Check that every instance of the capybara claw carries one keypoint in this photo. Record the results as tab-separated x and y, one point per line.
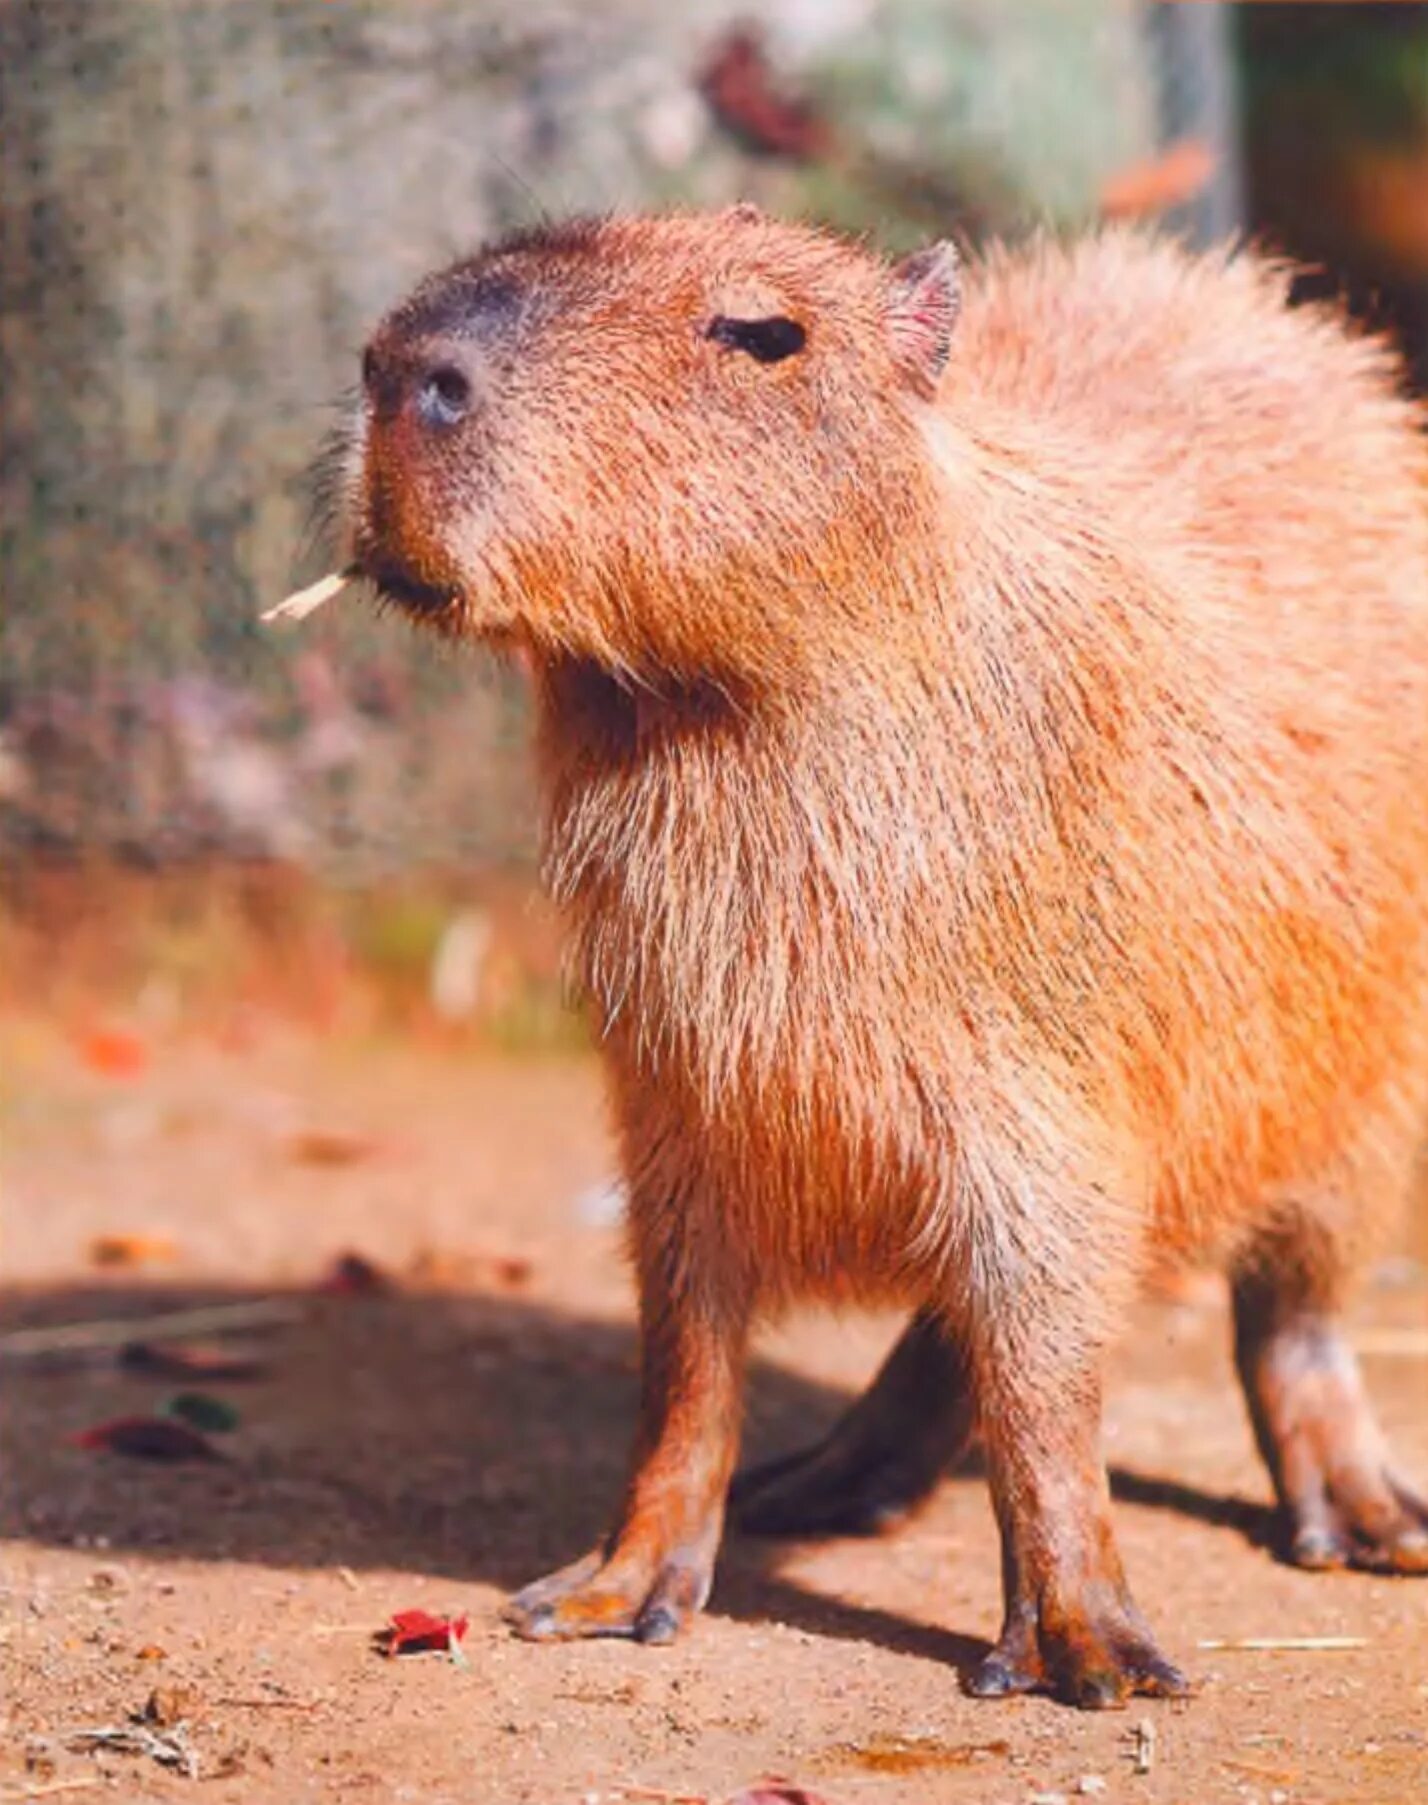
533	1623
998	1677
595	1599
1318	1551
1401	1549
1405	1553
1359	1515
658	1624
591	1611
1108	1681
1094	1676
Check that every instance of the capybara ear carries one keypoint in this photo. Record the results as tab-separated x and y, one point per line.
924	297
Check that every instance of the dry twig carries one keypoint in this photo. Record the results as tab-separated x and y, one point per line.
109	1333
1259	1644
303	602
48	1788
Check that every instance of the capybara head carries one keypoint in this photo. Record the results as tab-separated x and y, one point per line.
664	444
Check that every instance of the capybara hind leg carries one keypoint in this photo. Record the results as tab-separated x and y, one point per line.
1341	1503
1071	1626
654	1570
884	1455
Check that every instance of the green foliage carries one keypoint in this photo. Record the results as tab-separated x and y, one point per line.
1338	71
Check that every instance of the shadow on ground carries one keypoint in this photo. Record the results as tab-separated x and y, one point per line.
467	1437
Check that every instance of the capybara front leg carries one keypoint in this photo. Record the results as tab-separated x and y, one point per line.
1070	1626
653	1572
882	1458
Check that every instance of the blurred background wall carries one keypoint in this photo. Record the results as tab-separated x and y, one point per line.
206	204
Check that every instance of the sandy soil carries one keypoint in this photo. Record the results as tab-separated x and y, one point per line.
437	1446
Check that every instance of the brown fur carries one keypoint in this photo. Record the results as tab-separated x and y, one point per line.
988	805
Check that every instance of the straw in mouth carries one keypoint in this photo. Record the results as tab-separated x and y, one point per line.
303	602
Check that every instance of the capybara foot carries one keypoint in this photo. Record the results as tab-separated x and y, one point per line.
882	1459
1341	1504
1361	1517
825	1491
644	1600
1096	1666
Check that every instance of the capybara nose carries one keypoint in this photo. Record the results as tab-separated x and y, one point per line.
443	392
435	380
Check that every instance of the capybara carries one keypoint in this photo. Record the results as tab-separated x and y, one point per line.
983	722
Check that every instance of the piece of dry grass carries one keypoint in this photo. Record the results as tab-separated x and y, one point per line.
1263	1644
107	1333
303	602
46	1789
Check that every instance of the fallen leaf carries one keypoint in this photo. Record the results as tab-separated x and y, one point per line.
200	1411
114	1052
131	1250
151	1652
320	1147
447	1269
354	1275
189	1360
169	1705
1177	175
740	88
148	1438
776	1792
419	1632
895	1754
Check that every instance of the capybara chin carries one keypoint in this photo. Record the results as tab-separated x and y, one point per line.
984	729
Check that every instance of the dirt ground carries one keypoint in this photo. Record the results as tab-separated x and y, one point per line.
438	1445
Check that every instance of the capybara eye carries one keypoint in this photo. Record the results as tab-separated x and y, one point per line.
768	341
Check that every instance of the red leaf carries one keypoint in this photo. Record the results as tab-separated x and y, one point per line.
1169	180
131	1250
418	1632
354	1275
776	1792
116	1052
740	88
449	1269
148	1438
321	1147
